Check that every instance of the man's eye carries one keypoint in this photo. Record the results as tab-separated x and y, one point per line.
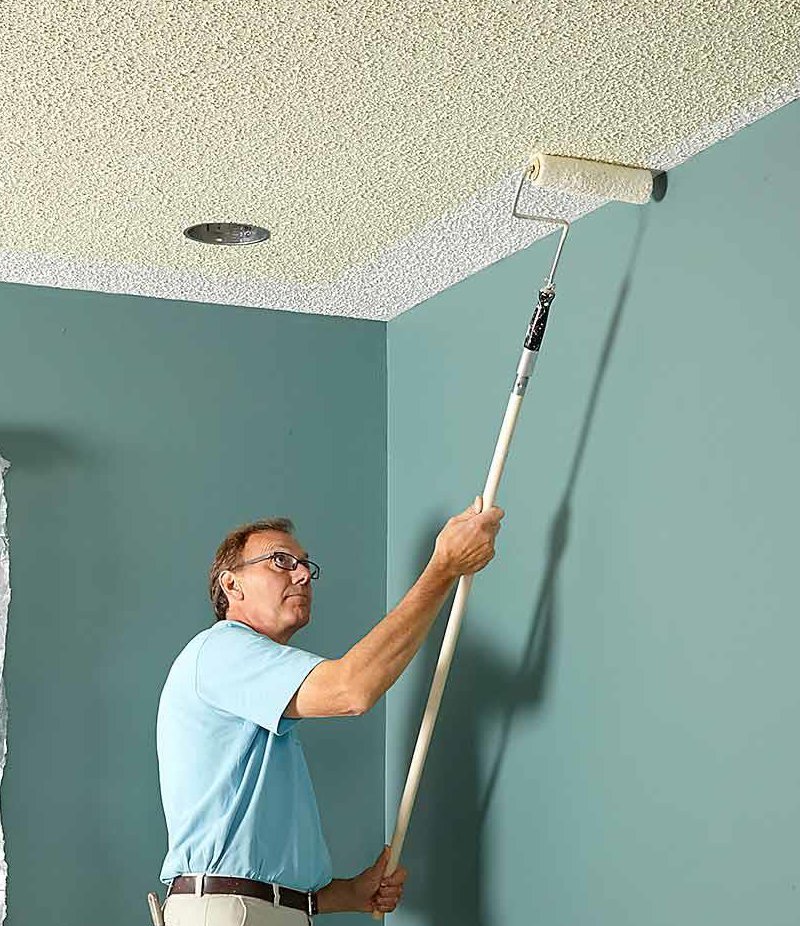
284	560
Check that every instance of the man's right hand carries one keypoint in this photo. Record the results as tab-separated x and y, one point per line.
466	543
352	685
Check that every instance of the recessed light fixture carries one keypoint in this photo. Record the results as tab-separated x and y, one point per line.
226	233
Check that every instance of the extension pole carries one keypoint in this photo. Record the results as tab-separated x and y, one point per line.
530	353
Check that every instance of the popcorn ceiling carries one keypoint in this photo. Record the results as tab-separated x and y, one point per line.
379	142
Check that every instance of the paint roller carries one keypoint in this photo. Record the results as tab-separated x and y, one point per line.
575	177
596	179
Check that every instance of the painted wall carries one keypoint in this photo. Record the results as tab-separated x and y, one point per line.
617	744
140	431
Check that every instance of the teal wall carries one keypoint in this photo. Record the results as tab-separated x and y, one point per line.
139	432
618	740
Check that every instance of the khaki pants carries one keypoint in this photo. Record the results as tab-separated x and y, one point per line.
228	910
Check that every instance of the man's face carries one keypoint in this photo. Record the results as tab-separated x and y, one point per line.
272	601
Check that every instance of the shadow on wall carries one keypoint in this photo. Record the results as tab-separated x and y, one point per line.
445	847
35	449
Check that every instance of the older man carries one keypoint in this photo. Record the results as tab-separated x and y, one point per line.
245	841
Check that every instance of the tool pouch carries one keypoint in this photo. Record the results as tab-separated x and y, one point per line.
156	913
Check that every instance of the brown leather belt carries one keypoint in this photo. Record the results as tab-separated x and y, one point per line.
218	884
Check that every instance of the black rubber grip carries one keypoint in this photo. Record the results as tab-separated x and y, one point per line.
533	339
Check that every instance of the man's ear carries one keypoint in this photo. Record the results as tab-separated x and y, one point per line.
230	585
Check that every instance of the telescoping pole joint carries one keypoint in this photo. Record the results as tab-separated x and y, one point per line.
533	339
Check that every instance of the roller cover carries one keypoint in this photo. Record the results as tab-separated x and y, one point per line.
591	178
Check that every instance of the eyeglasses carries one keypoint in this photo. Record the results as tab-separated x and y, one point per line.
284	561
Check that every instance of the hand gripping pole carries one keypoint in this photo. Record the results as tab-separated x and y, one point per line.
530	353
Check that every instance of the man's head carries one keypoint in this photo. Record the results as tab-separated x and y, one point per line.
274	601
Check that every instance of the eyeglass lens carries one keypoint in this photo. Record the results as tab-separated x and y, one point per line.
289	562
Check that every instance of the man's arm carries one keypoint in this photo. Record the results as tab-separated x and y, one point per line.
353	684
336	897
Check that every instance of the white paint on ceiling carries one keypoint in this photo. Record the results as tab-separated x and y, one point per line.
378	141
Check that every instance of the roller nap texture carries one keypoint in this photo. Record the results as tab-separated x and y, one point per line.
580	177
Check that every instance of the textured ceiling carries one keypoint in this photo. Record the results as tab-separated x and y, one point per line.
378	141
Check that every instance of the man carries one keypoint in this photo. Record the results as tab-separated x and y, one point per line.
245	842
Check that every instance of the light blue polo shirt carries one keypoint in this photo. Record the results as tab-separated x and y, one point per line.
237	796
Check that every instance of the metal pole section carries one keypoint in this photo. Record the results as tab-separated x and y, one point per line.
530	353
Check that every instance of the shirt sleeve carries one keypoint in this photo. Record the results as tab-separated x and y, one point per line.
246	674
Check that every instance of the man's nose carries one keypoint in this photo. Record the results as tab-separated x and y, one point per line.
301	574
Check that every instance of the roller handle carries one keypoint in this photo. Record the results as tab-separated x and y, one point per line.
530	353
448	648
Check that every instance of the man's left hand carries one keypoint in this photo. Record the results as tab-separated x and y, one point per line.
374	891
